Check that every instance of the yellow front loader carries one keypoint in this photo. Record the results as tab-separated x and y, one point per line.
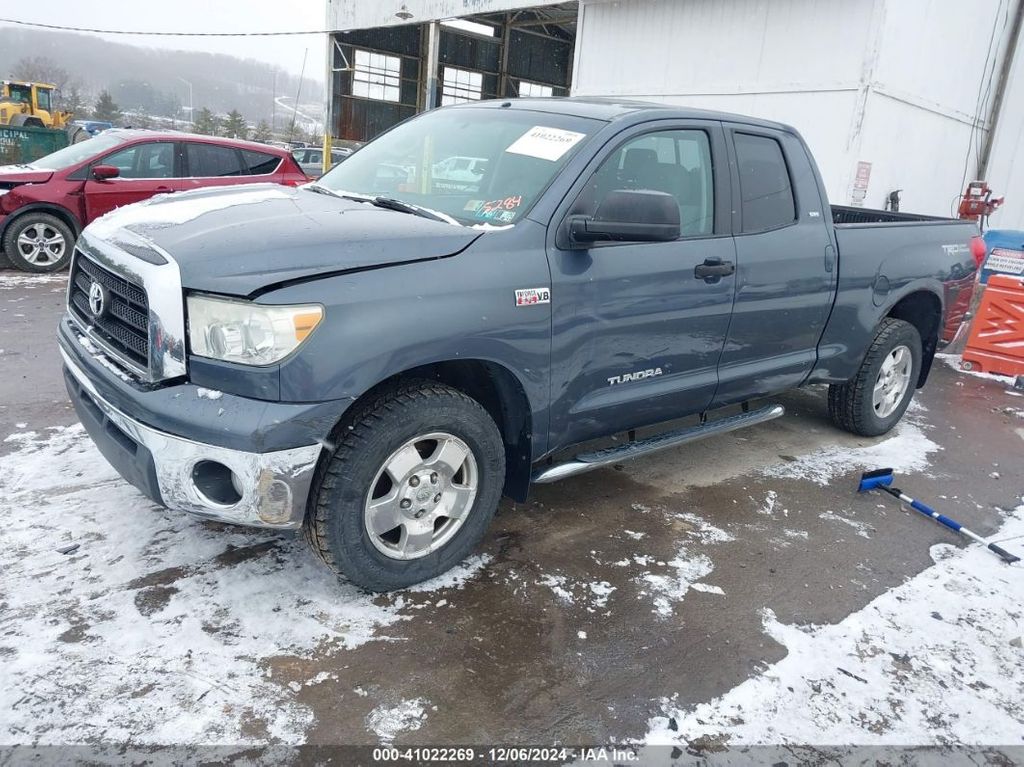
30	105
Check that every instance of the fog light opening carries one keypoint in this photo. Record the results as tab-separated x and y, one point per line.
216	483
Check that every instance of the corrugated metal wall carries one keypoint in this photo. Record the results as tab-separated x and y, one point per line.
891	82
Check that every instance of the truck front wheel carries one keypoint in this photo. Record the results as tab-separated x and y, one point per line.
413	484
875	399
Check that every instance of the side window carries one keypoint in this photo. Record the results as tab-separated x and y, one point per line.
259	163
143	161
210	160
677	162
765	188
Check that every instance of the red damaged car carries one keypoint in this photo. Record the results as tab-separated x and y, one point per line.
44	205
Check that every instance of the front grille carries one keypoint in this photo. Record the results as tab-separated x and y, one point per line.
124	327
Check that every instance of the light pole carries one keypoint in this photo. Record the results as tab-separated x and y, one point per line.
191	106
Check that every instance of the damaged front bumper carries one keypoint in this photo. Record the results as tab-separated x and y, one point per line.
266	489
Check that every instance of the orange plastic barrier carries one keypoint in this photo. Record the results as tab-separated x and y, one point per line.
996	343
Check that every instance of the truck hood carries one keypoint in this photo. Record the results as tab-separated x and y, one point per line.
240	240
12	175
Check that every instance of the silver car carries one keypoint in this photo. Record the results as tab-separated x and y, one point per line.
311	159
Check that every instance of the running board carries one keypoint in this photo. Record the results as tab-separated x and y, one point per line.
595	460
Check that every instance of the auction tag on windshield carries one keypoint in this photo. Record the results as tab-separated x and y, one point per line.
545	143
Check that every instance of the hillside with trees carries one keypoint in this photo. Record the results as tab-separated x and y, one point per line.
146	84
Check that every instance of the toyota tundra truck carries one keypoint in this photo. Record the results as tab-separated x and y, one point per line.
377	357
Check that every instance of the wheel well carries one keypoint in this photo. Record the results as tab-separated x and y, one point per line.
501	395
923	310
54	210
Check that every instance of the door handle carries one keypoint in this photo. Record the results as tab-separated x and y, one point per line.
162	189
713	269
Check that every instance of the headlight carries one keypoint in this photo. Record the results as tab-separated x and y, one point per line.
252	334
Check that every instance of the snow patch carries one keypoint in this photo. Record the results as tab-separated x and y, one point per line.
954	361
934	661
707	588
907	450
11	281
669	589
158	628
208	393
389	721
863	529
704	531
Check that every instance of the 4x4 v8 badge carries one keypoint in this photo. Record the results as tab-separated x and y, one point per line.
531	296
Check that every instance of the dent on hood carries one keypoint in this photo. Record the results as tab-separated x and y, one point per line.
182	207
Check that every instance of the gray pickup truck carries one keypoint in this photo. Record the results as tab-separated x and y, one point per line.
377	357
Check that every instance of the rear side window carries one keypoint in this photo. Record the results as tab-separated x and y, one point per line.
259	163
208	160
765	187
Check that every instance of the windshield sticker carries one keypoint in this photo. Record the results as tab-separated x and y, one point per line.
503	210
545	143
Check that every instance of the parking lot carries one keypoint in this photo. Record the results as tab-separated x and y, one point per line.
734	591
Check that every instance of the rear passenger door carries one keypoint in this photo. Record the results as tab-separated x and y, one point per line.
211	165
785	270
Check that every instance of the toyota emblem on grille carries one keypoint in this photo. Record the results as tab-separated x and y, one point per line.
97	299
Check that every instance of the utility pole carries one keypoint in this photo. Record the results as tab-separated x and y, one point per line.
328	95
298	92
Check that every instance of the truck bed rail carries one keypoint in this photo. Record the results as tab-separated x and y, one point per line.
843	214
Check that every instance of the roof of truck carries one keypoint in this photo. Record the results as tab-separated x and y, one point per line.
612	108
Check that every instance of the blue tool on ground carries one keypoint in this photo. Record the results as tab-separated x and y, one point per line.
881	479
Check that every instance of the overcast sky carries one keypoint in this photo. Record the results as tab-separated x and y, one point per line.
196	16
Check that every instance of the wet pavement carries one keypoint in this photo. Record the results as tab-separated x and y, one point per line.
589	605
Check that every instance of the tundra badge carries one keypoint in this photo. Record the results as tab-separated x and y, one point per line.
639	375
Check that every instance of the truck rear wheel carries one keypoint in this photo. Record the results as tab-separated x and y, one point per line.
411	488
38	242
875	399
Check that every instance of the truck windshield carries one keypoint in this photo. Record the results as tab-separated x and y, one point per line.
76	153
476	165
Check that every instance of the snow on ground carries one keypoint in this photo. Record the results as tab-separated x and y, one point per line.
11	280
954	361
388	721
907	450
937	660
154	627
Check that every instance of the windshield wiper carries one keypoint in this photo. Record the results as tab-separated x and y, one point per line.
407	207
330	192
389	203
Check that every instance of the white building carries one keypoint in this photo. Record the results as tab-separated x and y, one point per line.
911	95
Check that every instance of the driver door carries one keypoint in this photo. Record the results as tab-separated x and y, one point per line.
145	169
637	335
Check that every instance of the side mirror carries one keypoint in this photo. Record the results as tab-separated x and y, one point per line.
104	172
629	215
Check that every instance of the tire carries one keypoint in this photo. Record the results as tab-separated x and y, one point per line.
26	121
363	469
37	256
852	405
